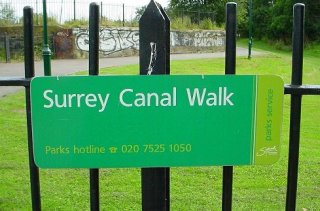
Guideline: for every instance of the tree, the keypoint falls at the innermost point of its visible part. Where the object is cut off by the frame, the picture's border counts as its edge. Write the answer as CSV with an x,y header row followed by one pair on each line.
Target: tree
x,y
312,20
139,12
274,19
7,15
204,7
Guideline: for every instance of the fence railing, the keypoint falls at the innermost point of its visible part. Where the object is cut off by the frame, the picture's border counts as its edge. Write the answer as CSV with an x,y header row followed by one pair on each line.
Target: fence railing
x,y
60,11
161,177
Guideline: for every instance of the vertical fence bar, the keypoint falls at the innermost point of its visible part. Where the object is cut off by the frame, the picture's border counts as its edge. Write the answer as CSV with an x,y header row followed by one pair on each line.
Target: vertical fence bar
x,y
231,30
7,47
74,10
94,70
123,15
230,68
154,30
101,12
46,52
250,29
37,16
94,39
29,73
295,114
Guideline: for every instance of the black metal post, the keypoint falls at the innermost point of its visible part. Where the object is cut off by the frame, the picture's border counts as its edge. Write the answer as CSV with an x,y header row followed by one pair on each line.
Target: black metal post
x,y
29,73
94,70
7,47
94,39
231,30
167,42
154,30
230,68
250,30
295,114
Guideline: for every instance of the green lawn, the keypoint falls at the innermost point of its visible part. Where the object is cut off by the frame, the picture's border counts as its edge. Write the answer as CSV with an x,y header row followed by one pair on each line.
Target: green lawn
x,y
255,187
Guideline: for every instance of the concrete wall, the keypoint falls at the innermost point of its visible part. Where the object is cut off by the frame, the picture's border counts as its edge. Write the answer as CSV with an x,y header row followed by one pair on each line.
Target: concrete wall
x,y
114,42
125,41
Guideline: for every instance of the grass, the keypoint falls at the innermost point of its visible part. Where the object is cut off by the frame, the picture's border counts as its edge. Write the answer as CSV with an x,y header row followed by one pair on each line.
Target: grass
x,y
255,187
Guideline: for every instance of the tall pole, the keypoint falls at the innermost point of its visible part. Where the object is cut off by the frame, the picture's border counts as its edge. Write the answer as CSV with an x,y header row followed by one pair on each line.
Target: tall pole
x,y
37,13
74,10
46,52
250,30
123,15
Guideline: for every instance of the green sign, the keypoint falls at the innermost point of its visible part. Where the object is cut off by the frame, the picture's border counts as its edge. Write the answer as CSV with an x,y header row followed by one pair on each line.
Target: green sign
x,y
156,121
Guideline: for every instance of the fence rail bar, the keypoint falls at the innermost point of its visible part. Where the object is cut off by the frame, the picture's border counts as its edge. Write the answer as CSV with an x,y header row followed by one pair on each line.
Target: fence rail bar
x,y
230,68
29,73
15,81
94,70
302,90
295,113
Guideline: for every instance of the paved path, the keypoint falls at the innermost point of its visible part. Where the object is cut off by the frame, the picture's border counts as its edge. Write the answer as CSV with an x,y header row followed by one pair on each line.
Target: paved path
x,y
69,66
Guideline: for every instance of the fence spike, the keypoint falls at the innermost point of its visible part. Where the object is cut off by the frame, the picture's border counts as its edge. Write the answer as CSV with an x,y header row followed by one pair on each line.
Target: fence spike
x,y
154,32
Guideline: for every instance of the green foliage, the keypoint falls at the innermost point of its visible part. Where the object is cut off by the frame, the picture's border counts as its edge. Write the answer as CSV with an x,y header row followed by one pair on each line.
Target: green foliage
x,y
7,15
38,20
207,24
76,23
139,12
273,19
185,24
312,23
204,9
182,23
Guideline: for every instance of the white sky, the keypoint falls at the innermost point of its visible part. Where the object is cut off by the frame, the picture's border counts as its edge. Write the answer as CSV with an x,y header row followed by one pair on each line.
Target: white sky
x,y
164,3
63,9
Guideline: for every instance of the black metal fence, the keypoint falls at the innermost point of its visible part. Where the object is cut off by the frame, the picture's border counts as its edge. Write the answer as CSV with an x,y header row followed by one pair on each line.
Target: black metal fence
x,y
156,182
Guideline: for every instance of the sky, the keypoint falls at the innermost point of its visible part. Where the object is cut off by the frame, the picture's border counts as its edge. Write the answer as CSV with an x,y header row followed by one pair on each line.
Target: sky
x,y
63,10
164,3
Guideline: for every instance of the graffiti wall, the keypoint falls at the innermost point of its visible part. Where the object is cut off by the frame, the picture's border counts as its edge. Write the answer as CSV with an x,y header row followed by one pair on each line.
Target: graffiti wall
x,y
197,38
125,41
111,40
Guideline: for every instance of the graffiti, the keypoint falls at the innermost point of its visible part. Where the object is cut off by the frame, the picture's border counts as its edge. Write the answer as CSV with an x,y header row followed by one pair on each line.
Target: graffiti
x,y
153,57
63,45
198,39
111,40
117,39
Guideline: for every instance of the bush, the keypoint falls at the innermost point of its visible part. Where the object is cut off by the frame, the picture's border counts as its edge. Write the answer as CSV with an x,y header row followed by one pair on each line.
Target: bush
x,y
76,23
182,23
207,24
186,24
